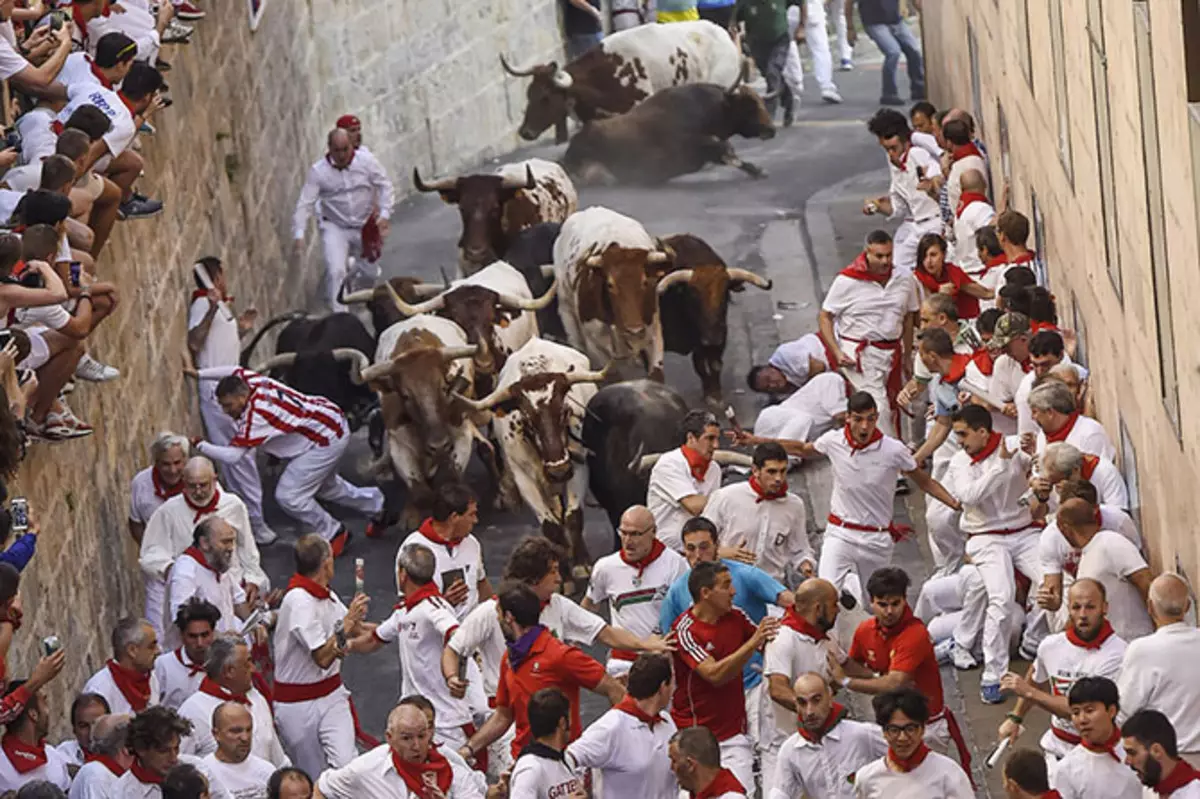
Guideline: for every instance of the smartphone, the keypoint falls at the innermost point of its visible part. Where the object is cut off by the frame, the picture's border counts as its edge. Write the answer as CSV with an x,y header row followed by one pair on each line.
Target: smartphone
x,y
75,268
19,510
462,668
732,417
50,645
360,575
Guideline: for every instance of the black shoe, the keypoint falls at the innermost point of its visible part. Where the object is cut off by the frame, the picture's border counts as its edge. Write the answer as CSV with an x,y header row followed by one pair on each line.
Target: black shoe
x,y
897,101
138,207
162,66
789,116
848,601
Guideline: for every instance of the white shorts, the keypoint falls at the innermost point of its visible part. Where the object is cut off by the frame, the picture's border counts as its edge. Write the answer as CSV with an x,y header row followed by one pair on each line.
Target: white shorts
x,y
39,350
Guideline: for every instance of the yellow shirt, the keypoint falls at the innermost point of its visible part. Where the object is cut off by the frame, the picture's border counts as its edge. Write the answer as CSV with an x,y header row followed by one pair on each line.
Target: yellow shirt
x,y
690,15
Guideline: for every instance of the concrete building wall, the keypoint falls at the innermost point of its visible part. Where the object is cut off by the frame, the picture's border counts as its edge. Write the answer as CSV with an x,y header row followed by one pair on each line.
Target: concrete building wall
x,y
251,113
1120,235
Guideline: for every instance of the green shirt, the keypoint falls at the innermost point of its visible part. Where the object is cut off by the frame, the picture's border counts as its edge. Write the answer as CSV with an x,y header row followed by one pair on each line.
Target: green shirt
x,y
766,20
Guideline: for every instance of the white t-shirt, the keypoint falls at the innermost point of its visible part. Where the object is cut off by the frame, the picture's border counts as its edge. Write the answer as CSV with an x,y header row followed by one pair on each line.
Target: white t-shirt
x,y
93,781
198,709
464,563
305,623
1084,774
143,499
1110,559
964,252
630,756
1086,435
1025,423
807,413
791,654
1060,663
53,770
937,777
776,530
864,480
175,677
77,69
826,770
130,787
11,62
245,780
535,777
1159,673
865,310
122,132
990,491
38,140
908,201
670,481
102,683
221,348
792,357
1057,554
190,578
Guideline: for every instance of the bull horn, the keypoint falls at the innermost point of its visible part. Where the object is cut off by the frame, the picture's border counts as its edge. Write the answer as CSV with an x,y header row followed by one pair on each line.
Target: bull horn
x,y
658,257
276,362
769,96
412,310
429,289
563,80
725,457
445,184
749,277
589,377
375,371
358,362
513,302
594,260
516,73
547,270
357,296
645,463
529,182
453,353
741,76
487,403
678,276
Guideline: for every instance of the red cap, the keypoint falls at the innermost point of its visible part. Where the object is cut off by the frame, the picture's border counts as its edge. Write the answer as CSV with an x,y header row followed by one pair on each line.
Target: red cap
x,y
347,121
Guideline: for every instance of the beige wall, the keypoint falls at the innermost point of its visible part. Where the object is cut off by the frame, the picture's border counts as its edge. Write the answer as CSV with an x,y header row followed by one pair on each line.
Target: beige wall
x,y
1121,333
250,115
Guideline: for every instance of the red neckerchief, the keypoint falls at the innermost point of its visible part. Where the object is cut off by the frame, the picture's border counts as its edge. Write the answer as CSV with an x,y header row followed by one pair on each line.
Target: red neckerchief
x,y
836,714
308,584
145,775
198,556
426,529
930,282
656,549
629,705
1108,747
999,260
1181,775
966,198
958,368
908,764
1024,258
128,104
1105,631
1051,794
697,463
723,783
413,773
200,294
890,632
1087,466
116,768
24,757
1064,431
161,491
81,25
983,360
763,496
421,594
213,688
192,668
802,625
992,445
961,151
1037,327
903,165
858,271
204,510
133,685
105,82
877,435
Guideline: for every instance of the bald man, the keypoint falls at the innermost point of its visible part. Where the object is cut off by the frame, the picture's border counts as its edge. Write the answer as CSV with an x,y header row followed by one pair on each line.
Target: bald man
x,y
1112,560
348,190
389,771
974,211
634,580
108,759
169,533
1159,670
243,773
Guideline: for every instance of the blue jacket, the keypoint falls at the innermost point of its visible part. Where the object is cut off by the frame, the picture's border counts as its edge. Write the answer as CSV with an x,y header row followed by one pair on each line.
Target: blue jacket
x,y
20,553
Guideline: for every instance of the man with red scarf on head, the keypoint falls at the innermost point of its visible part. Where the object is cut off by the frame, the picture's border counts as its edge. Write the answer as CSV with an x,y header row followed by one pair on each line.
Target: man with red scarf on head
x,y
127,681
820,759
24,755
1152,751
761,516
634,580
683,479
154,485
867,320
1087,648
408,766
909,770
1096,767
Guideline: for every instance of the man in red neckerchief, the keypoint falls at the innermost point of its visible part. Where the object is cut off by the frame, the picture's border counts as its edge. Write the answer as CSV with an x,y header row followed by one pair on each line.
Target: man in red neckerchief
x,y
154,736
820,759
408,766
205,570
1053,406
1087,648
1096,767
867,319
696,761
1151,750
1012,229
910,769
180,670
107,758
1026,776
127,681
963,157
158,482
447,532
24,755
683,479
973,213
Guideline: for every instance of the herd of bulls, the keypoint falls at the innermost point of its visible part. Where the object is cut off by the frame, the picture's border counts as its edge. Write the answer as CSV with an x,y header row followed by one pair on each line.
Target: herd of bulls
x,y
507,360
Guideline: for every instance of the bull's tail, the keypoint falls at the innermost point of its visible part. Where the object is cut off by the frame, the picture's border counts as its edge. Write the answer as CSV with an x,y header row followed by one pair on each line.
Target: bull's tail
x,y
290,316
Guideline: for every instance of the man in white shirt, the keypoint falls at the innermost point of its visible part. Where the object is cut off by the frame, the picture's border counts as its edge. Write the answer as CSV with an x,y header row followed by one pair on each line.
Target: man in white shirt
x,y
1112,560
180,670
1026,776
1088,648
85,709
459,574
1046,350
627,746
763,517
820,759
867,320
309,432
1011,340
213,340
229,677
683,479
1096,767
696,763
108,760
157,483
791,365
154,736
403,768
989,480
963,156
243,773
633,581
127,681
1159,670
1052,404
203,570
542,768
812,409
312,634
916,177
24,754
972,213
1151,750
36,80
1062,461
347,188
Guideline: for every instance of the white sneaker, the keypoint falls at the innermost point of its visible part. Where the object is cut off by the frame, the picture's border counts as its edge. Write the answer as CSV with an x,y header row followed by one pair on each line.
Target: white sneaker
x,y
263,535
944,651
91,369
962,659
832,97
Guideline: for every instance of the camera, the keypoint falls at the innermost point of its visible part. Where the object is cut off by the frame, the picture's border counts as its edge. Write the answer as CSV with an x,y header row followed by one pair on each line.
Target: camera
x,y
18,509
12,139
32,280
50,645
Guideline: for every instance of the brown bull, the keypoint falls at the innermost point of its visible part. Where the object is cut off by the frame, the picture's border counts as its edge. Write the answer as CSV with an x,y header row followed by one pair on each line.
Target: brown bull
x,y
485,203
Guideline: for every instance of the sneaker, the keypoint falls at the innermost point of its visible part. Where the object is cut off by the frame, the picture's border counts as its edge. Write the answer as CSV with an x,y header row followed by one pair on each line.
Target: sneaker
x,y
902,486
177,33
138,207
789,116
832,97
188,11
943,651
263,535
60,427
847,65
162,65
147,128
962,658
989,693
339,542
92,370
896,101
848,600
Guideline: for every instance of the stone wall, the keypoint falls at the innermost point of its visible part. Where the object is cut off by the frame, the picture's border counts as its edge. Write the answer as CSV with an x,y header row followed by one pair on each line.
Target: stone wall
x,y
251,113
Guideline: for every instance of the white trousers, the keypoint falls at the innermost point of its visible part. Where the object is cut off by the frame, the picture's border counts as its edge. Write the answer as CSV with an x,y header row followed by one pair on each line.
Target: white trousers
x,y
242,477
737,755
995,556
850,557
793,73
876,366
312,476
156,595
817,39
946,541
139,24
318,734
338,244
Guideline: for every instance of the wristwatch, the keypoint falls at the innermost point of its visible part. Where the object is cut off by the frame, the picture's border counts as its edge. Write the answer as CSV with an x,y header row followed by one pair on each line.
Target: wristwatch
x,y
846,683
